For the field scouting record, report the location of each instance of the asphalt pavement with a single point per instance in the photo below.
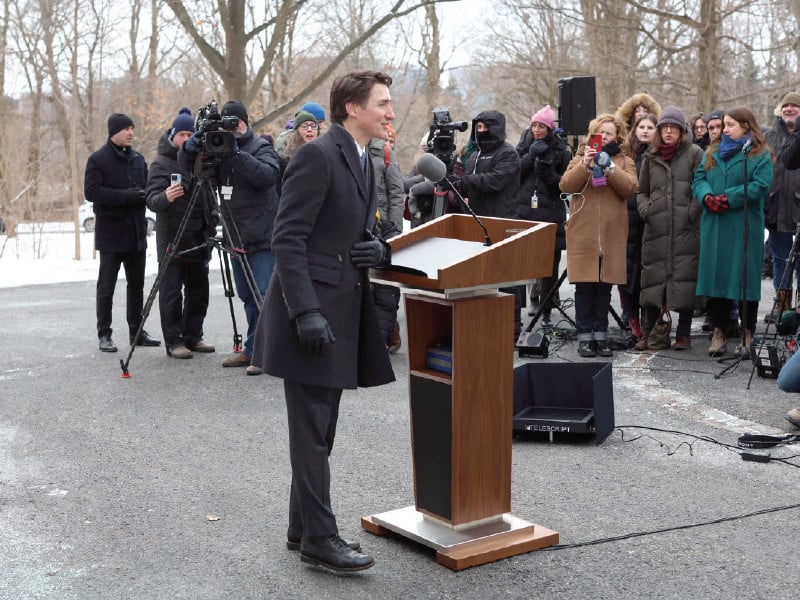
(174, 483)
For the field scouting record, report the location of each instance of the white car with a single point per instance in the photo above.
(86, 217)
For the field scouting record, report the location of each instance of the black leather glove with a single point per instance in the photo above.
(314, 331)
(368, 254)
(538, 147)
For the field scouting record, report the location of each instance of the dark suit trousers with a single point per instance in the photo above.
(313, 412)
(183, 302)
(110, 263)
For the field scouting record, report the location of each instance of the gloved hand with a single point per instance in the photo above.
(368, 254)
(194, 143)
(314, 331)
(456, 183)
(716, 204)
(538, 147)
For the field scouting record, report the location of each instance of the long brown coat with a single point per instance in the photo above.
(597, 228)
(671, 215)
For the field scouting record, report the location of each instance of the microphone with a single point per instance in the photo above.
(747, 145)
(435, 170)
(431, 167)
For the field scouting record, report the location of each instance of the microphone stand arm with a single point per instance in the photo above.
(465, 204)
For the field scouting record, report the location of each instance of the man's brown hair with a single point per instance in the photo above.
(353, 87)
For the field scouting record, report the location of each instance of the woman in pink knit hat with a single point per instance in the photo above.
(542, 162)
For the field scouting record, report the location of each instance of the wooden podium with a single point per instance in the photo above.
(461, 422)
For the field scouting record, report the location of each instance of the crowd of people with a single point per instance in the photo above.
(670, 210)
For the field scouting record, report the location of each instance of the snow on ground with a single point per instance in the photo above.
(44, 253)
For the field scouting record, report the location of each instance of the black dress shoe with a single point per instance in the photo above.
(293, 543)
(334, 554)
(586, 349)
(145, 340)
(106, 345)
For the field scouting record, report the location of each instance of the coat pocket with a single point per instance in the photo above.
(325, 268)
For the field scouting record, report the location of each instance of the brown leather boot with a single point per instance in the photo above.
(717, 347)
(641, 345)
(783, 301)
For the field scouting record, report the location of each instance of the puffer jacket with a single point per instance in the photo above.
(491, 179)
(539, 177)
(671, 216)
(201, 223)
(253, 172)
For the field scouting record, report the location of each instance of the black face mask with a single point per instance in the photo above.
(483, 136)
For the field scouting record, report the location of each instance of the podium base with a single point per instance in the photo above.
(464, 546)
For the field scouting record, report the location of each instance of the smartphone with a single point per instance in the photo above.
(174, 178)
(596, 141)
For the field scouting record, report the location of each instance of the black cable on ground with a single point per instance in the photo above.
(670, 452)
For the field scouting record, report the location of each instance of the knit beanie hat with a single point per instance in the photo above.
(672, 115)
(791, 98)
(716, 116)
(303, 117)
(234, 108)
(546, 117)
(117, 122)
(315, 109)
(183, 122)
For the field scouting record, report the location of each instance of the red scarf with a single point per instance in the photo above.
(667, 151)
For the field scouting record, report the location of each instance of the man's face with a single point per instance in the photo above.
(715, 129)
(241, 129)
(789, 113)
(123, 138)
(369, 121)
(181, 137)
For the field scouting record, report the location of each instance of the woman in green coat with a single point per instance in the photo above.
(735, 174)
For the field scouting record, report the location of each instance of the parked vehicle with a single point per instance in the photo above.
(86, 217)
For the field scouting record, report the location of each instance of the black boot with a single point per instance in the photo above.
(333, 553)
(144, 339)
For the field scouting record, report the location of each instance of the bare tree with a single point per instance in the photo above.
(230, 50)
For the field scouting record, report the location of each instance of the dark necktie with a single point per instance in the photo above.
(364, 161)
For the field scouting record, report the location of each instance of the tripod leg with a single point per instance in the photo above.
(227, 286)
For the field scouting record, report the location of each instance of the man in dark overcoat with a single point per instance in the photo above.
(114, 183)
(319, 331)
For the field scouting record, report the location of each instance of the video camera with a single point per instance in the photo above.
(218, 138)
(442, 136)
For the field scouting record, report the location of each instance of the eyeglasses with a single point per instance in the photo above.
(670, 127)
(308, 125)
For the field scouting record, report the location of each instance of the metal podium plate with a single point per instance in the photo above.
(411, 523)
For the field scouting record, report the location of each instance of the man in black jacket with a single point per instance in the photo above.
(114, 182)
(319, 331)
(782, 208)
(181, 317)
(249, 214)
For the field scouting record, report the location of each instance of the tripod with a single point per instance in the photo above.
(546, 302)
(758, 350)
(205, 188)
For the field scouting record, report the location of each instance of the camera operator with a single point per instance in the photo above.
(491, 181)
(252, 169)
(181, 317)
(114, 183)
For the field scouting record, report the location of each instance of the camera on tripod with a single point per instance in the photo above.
(442, 136)
(218, 139)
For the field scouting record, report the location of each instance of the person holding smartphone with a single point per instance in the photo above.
(600, 178)
(183, 292)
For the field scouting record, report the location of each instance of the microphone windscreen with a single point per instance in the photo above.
(431, 167)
